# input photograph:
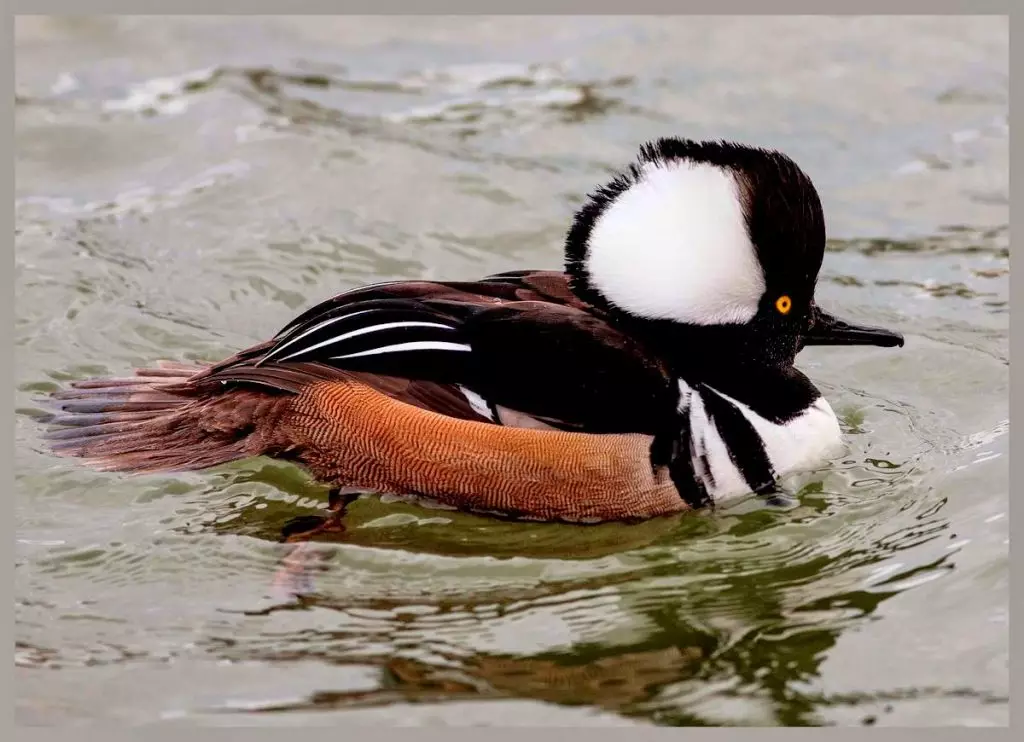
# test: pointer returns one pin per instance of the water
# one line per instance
(185, 186)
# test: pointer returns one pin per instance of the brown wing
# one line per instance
(501, 288)
(444, 398)
(530, 353)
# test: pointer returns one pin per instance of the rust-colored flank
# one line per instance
(376, 434)
(355, 435)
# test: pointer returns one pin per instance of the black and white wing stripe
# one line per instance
(331, 306)
(383, 336)
(554, 364)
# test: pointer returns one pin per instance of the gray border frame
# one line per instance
(521, 7)
(380, 7)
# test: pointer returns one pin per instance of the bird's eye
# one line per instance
(783, 304)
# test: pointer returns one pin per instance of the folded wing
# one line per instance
(515, 349)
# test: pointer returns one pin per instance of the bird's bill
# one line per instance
(827, 329)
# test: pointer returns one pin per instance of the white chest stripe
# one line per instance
(699, 429)
(726, 479)
(806, 440)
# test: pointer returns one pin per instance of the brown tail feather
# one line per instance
(159, 421)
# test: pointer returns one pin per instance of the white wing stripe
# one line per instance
(420, 345)
(313, 329)
(478, 403)
(364, 331)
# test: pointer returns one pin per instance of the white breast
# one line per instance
(803, 442)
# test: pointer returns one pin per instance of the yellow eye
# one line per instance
(784, 304)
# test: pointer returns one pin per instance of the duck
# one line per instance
(655, 374)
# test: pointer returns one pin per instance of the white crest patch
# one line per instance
(675, 246)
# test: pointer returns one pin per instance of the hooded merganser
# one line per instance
(653, 376)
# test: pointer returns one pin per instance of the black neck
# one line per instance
(755, 368)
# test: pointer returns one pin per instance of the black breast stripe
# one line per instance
(700, 453)
(681, 469)
(673, 447)
(746, 449)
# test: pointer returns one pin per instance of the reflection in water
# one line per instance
(763, 657)
(738, 608)
(746, 600)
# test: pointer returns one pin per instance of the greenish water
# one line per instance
(184, 186)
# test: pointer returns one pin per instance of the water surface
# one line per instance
(185, 186)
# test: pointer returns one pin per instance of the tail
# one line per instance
(163, 420)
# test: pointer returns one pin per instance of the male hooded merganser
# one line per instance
(653, 376)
